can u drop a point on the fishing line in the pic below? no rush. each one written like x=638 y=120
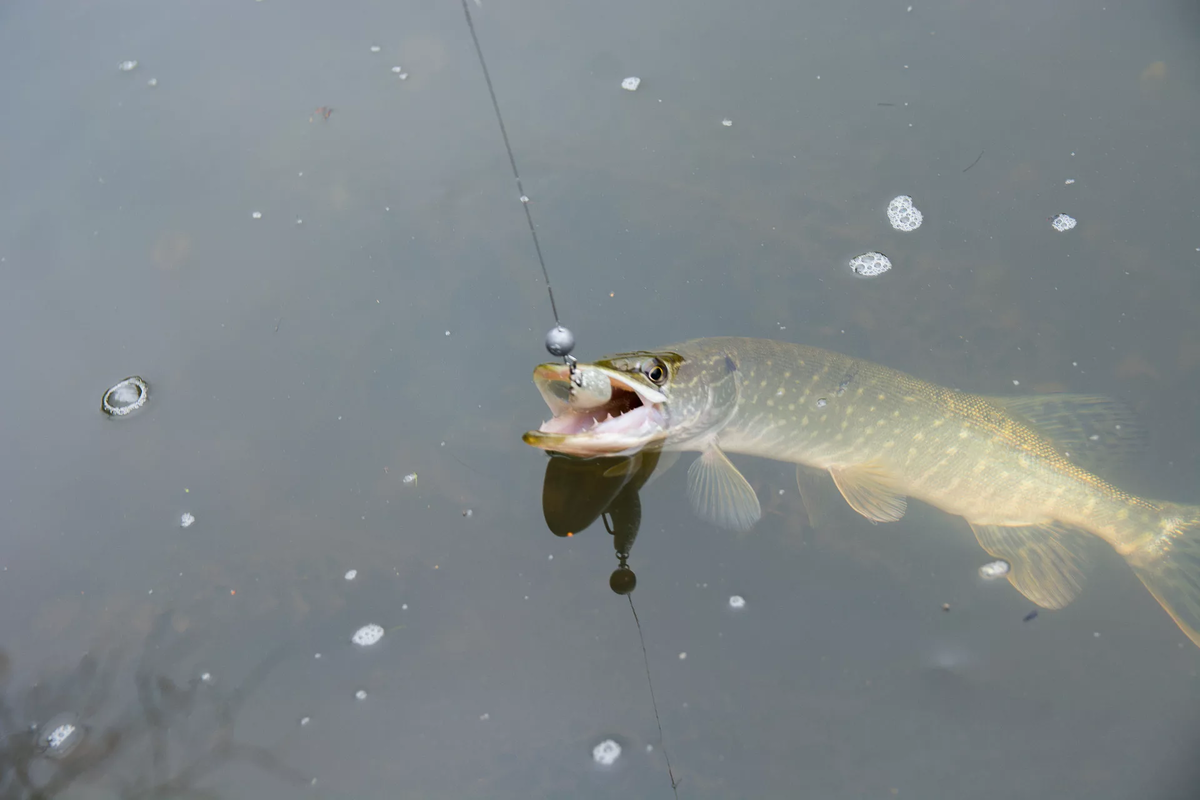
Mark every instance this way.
x=559 y=341
x=646 y=659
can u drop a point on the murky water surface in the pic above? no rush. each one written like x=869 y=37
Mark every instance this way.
x=297 y=223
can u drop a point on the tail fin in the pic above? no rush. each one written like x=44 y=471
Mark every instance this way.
x=1168 y=563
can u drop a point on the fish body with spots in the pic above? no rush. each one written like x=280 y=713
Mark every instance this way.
x=1017 y=469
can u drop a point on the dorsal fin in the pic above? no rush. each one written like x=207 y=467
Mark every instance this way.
x=1093 y=431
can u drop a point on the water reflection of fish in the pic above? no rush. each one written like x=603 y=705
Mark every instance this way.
x=1012 y=467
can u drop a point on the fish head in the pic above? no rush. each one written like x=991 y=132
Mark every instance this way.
x=624 y=403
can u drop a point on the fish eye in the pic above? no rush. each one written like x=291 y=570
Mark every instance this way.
x=656 y=371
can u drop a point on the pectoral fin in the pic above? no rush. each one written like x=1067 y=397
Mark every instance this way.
x=720 y=494
x=1047 y=561
x=871 y=491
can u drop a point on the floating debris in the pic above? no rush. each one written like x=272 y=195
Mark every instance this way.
x=737 y=601
x=631 y=84
x=1062 y=223
x=1029 y=616
x=1069 y=181
x=126 y=397
x=468 y=513
x=367 y=635
x=411 y=478
x=61 y=735
x=727 y=122
x=361 y=694
x=352 y=574
x=993 y=570
x=187 y=520
x=127 y=66
x=606 y=753
x=868 y=265
x=524 y=198
x=322 y=111
x=945 y=606
x=903 y=215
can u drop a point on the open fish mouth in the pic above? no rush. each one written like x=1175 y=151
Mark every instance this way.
x=626 y=421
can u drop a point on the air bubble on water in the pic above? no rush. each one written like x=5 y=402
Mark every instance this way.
x=403 y=76
x=631 y=84
x=186 y=520
x=367 y=635
x=206 y=677
x=868 y=265
x=727 y=122
x=61 y=735
x=126 y=397
x=683 y=656
x=375 y=48
x=152 y=82
x=737 y=601
x=606 y=753
x=304 y=721
x=821 y=402
x=1062 y=223
x=903 y=215
x=361 y=694
x=127 y=66
x=993 y=570
x=524 y=198
x=484 y=717
x=397 y=70
x=1069 y=181
x=410 y=477
x=352 y=574
x=255 y=215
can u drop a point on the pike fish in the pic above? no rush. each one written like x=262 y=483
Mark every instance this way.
x=1017 y=469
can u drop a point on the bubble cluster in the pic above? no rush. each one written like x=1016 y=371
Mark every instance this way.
x=737 y=601
x=186 y=520
x=631 y=84
x=1062 y=223
x=126 y=397
x=127 y=66
x=606 y=753
x=62 y=734
x=993 y=570
x=351 y=574
x=868 y=265
x=367 y=635
x=903 y=215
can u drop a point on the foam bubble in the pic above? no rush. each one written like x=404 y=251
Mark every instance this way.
x=1062 y=223
x=868 y=265
x=993 y=570
x=367 y=635
x=631 y=84
x=903 y=215
x=737 y=601
x=606 y=753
